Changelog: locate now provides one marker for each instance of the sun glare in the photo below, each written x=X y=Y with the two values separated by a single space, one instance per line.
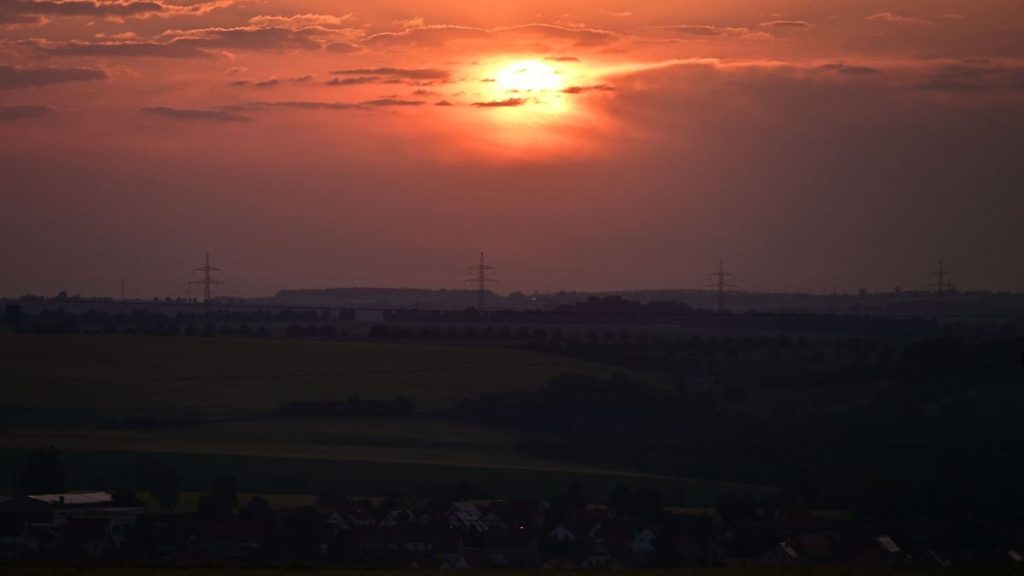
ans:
x=530 y=107
x=529 y=76
x=532 y=90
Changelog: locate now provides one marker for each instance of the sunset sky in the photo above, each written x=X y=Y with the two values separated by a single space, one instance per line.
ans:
x=583 y=144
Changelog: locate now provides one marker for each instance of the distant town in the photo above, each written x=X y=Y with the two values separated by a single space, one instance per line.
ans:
x=631 y=530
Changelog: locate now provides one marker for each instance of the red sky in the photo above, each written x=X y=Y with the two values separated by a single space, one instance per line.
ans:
x=583 y=144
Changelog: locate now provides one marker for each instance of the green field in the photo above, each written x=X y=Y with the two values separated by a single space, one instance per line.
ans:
x=71 y=391
x=88 y=377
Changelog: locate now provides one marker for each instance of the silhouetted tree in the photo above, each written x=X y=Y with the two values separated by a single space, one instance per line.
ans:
x=224 y=499
x=258 y=508
x=300 y=534
x=159 y=480
x=569 y=504
x=13 y=316
x=125 y=496
x=41 y=472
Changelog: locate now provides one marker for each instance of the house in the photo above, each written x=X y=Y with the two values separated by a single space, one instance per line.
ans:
x=513 y=515
x=76 y=498
x=121 y=518
x=396 y=517
x=352 y=514
x=14 y=537
x=888 y=544
x=232 y=538
x=879 y=550
x=400 y=545
x=466 y=516
x=644 y=542
x=453 y=561
x=815 y=546
x=932 y=559
x=783 y=554
x=79 y=523
x=561 y=535
x=89 y=537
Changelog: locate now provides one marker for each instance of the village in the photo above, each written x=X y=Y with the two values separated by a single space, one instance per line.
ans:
x=565 y=532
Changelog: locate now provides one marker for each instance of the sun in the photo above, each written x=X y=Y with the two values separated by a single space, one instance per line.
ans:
x=532 y=91
x=527 y=106
x=528 y=76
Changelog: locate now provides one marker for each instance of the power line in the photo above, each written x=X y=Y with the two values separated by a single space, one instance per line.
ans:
x=721 y=284
x=483 y=277
x=207 y=282
x=941 y=284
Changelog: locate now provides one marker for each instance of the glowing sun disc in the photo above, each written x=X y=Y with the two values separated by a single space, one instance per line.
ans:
x=529 y=76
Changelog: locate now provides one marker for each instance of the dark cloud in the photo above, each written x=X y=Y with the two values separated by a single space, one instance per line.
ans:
x=510 y=102
x=80 y=8
x=388 y=102
x=562 y=59
x=978 y=76
x=360 y=80
x=261 y=83
x=593 y=88
x=271 y=82
x=11 y=77
x=253 y=38
x=103 y=8
x=25 y=112
x=406 y=73
x=291 y=105
x=313 y=105
x=196 y=114
x=442 y=103
x=128 y=49
x=198 y=43
x=19 y=18
x=846 y=69
x=442 y=34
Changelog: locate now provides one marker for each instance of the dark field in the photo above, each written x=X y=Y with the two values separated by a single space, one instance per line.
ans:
x=73 y=392
x=88 y=378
